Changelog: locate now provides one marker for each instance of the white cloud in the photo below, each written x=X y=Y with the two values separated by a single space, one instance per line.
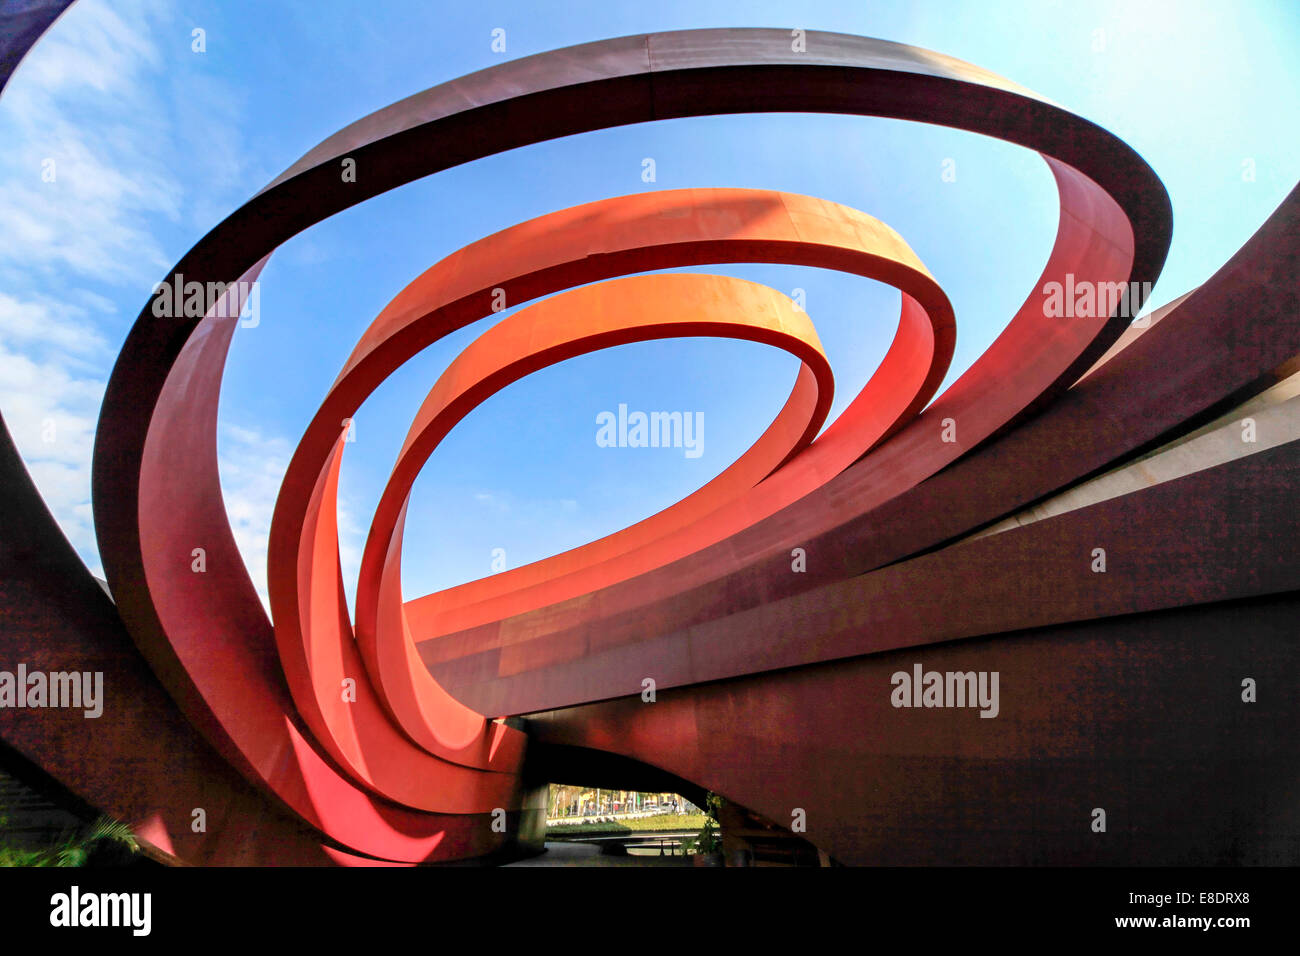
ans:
x=101 y=138
x=51 y=414
x=46 y=324
x=84 y=173
x=93 y=46
x=252 y=466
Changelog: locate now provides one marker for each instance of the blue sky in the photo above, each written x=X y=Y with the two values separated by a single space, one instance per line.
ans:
x=153 y=143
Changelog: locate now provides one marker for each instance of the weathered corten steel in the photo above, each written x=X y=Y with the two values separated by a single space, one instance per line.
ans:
x=156 y=483
x=1116 y=692
x=1229 y=339
x=413 y=769
x=323 y=653
x=589 y=318
x=673 y=227
x=699 y=226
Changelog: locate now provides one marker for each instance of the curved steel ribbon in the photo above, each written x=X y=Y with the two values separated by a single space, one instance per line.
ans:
x=320 y=651
x=695 y=227
x=570 y=324
x=156 y=491
x=690 y=226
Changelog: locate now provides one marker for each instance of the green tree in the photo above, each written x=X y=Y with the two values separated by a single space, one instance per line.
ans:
x=104 y=841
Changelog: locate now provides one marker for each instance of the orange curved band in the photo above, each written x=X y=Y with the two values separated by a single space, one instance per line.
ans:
x=247 y=687
x=637 y=233
x=573 y=323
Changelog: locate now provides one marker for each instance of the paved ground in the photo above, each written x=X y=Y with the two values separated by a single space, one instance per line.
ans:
x=581 y=854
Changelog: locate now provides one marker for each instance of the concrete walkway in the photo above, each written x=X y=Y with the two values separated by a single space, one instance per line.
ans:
x=581 y=854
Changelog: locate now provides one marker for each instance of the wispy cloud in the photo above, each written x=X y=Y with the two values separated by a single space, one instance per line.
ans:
x=48 y=324
x=104 y=161
x=85 y=177
x=51 y=410
x=252 y=466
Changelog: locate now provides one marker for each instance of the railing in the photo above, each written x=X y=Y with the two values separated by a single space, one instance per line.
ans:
x=612 y=817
